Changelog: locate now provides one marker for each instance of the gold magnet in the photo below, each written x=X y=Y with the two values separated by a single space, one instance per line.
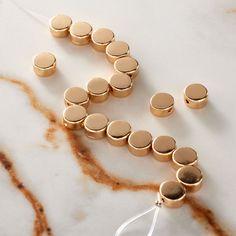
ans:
x=190 y=177
x=76 y=96
x=95 y=125
x=121 y=85
x=163 y=147
x=118 y=132
x=196 y=96
x=44 y=64
x=172 y=194
x=184 y=156
x=140 y=142
x=127 y=65
x=73 y=116
x=98 y=89
x=59 y=25
x=116 y=49
x=101 y=38
x=80 y=33
x=162 y=104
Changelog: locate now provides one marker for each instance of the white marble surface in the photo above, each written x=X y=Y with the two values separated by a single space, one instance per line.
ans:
x=176 y=43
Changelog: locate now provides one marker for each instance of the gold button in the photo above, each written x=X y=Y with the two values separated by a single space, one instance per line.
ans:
x=59 y=25
x=101 y=38
x=116 y=49
x=73 y=117
x=121 y=85
x=184 y=156
x=80 y=33
x=44 y=64
x=98 y=89
x=140 y=143
x=76 y=96
x=190 y=177
x=95 y=125
x=118 y=132
x=172 y=194
x=196 y=96
x=127 y=65
x=163 y=147
x=162 y=104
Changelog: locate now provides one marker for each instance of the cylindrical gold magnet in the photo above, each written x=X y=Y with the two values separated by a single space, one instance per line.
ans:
x=76 y=96
x=127 y=65
x=163 y=147
x=118 y=132
x=184 y=156
x=162 y=104
x=101 y=38
x=44 y=64
x=172 y=194
x=98 y=89
x=95 y=125
x=116 y=49
x=190 y=177
x=121 y=85
x=140 y=143
x=196 y=96
x=59 y=25
x=73 y=116
x=80 y=33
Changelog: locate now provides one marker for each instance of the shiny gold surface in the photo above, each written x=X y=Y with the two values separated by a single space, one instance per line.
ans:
x=118 y=132
x=101 y=38
x=163 y=147
x=44 y=64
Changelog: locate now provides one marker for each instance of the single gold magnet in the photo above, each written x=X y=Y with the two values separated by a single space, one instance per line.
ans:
x=59 y=25
x=140 y=143
x=127 y=65
x=162 y=104
x=44 y=64
x=118 y=132
x=73 y=117
x=95 y=125
x=190 y=177
x=101 y=38
x=80 y=33
x=121 y=85
x=184 y=156
x=76 y=96
x=163 y=147
x=116 y=50
x=172 y=194
x=196 y=96
x=98 y=89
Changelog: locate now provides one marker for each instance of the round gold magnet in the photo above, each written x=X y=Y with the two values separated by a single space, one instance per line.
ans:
x=118 y=132
x=190 y=177
x=101 y=38
x=44 y=64
x=95 y=125
x=140 y=142
x=98 y=89
x=121 y=85
x=163 y=147
x=73 y=116
x=172 y=194
x=196 y=96
x=80 y=33
x=76 y=96
x=116 y=49
x=162 y=104
x=59 y=25
x=127 y=65
x=184 y=156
